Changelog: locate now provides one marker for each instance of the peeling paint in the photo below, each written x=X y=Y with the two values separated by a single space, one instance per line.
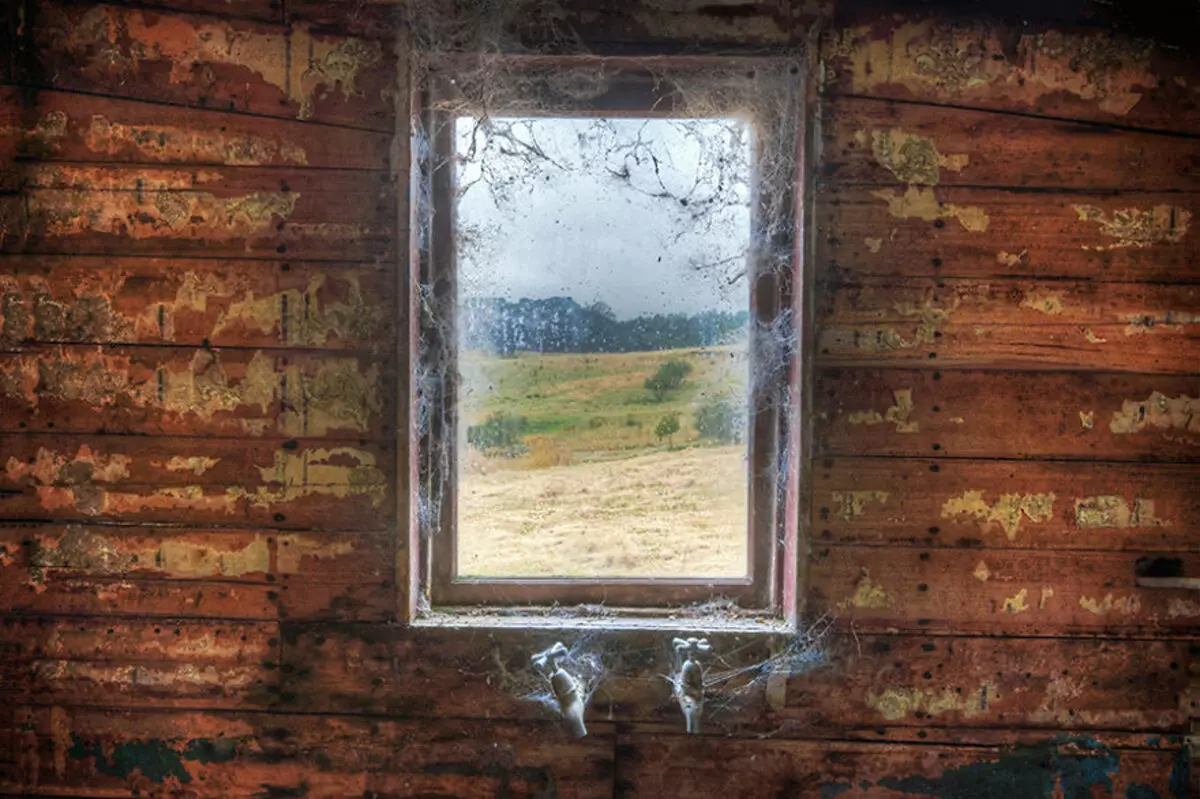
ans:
x=293 y=549
x=1132 y=227
x=339 y=472
x=1157 y=321
x=1017 y=603
x=1043 y=301
x=1157 y=411
x=852 y=504
x=195 y=464
x=1126 y=605
x=1114 y=512
x=868 y=594
x=873 y=245
x=1011 y=259
x=158 y=213
x=1047 y=594
x=897 y=414
x=303 y=67
x=307 y=322
x=1182 y=608
x=898 y=703
x=1087 y=419
x=1007 y=511
x=981 y=573
x=1092 y=337
x=912 y=158
x=50 y=467
x=953 y=60
x=83 y=550
x=922 y=203
x=170 y=143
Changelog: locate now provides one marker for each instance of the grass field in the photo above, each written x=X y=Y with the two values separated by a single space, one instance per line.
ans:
x=591 y=490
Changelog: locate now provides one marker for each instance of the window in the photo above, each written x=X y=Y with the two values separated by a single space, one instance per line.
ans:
x=605 y=295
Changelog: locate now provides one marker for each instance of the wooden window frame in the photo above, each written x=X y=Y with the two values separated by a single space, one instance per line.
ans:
x=637 y=87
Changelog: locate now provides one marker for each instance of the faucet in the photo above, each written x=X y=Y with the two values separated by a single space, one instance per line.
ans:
x=567 y=690
x=689 y=681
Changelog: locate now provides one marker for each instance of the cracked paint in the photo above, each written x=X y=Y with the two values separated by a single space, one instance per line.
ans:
x=1132 y=227
x=1114 y=512
x=1157 y=411
x=897 y=414
x=853 y=504
x=922 y=203
x=912 y=158
x=1008 y=511
x=898 y=703
x=1125 y=605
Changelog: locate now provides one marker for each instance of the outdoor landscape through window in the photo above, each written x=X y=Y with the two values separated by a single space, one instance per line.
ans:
x=602 y=332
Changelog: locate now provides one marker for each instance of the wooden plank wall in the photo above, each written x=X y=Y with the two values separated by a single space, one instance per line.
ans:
x=200 y=232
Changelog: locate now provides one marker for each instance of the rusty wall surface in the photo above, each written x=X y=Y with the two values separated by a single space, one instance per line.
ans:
x=200 y=239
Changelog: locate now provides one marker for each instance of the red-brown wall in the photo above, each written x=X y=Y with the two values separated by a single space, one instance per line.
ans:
x=202 y=229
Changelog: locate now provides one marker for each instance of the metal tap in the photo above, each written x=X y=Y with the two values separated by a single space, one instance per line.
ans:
x=689 y=679
x=567 y=691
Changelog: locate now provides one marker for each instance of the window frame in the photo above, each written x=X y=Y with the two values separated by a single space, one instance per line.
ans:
x=639 y=87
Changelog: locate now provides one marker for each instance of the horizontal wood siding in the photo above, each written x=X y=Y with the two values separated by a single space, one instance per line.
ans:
x=203 y=561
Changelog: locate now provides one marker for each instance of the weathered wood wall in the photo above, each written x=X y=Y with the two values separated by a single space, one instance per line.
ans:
x=201 y=225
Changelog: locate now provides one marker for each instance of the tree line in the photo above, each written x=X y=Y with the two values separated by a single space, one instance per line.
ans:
x=560 y=324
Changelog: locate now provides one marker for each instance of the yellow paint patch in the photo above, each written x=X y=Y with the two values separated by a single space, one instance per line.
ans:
x=306 y=320
x=852 y=504
x=1114 y=512
x=867 y=594
x=293 y=549
x=1126 y=605
x=981 y=573
x=340 y=472
x=1008 y=511
x=898 y=703
x=1047 y=593
x=1157 y=411
x=1092 y=337
x=922 y=203
x=873 y=245
x=1017 y=603
x=1043 y=301
x=1132 y=227
x=1011 y=259
x=897 y=414
x=1182 y=608
x=1087 y=419
x=85 y=465
x=195 y=464
x=912 y=158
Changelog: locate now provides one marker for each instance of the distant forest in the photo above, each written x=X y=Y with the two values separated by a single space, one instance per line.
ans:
x=559 y=324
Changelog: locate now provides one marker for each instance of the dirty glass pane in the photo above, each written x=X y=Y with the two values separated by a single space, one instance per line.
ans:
x=603 y=360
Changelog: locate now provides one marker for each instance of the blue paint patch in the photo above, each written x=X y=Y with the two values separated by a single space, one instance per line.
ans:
x=155 y=759
x=1137 y=790
x=1030 y=772
x=831 y=789
x=1181 y=774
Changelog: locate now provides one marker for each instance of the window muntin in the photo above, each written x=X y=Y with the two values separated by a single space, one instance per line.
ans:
x=766 y=94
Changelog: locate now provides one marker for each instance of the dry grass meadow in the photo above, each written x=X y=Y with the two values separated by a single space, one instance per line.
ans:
x=591 y=490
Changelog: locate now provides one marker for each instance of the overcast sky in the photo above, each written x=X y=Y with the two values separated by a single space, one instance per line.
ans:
x=648 y=216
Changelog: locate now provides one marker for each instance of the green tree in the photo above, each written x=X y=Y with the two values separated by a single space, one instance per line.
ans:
x=669 y=377
x=667 y=427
